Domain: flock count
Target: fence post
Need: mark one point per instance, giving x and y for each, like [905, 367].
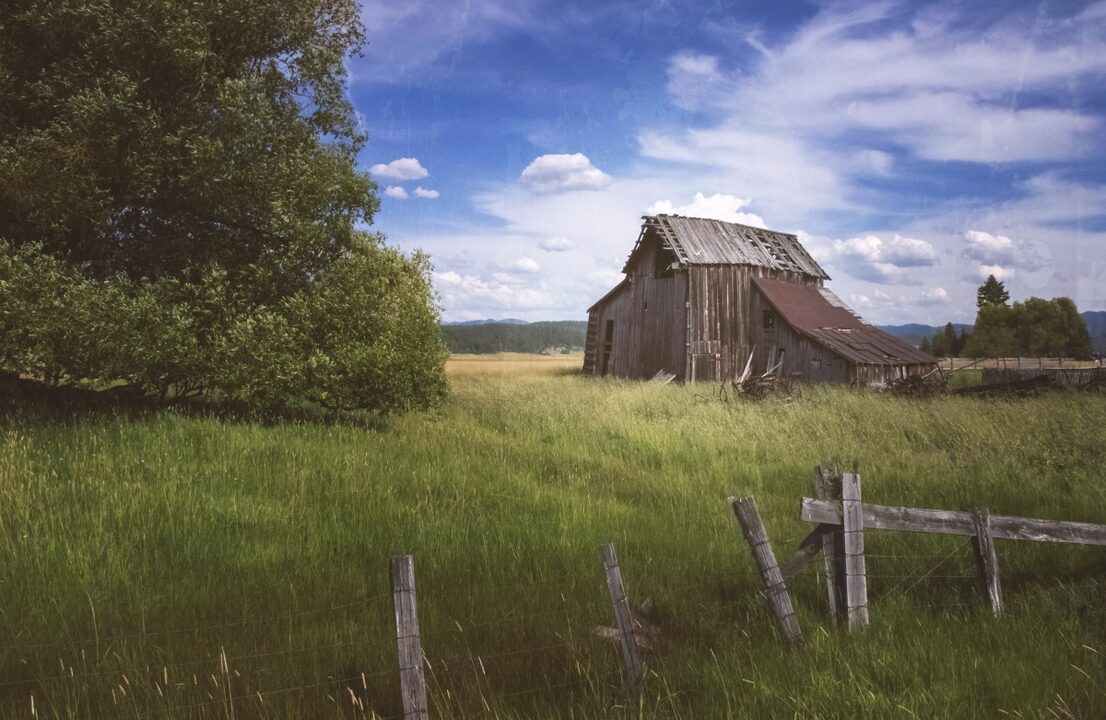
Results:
[987, 560]
[774, 586]
[827, 486]
[412, 678]
[623, 620]
[856, 580]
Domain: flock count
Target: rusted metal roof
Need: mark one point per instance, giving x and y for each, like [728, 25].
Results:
[819, 314]
[701, 241]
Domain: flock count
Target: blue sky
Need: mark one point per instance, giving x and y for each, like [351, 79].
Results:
[915, 148]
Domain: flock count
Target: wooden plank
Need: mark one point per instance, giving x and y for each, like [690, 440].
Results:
[774, 588]
[987, 560]
[810, 546]
[955, 522]
[412, 678]
[856, 575]
[827, 486]
[623, 619]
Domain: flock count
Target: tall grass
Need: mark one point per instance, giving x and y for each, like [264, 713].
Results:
[137, 553]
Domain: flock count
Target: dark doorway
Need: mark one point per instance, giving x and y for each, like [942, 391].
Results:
[608, 335]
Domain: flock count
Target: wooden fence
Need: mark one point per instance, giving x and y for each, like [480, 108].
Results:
[841, 521]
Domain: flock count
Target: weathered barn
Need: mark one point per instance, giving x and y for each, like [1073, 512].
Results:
[700, 295]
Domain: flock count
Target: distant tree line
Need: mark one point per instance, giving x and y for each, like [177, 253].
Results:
[539, 337]
[1032, 328]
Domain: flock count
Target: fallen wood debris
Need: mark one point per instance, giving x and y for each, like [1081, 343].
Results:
[763, 387]
[917, 386]
[663, 377]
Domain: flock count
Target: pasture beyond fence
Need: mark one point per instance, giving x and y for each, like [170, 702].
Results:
[841, 523]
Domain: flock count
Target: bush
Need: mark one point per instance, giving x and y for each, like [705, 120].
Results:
[362, 336]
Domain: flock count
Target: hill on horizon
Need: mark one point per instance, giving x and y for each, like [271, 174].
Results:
[481, 337]
[514, 335]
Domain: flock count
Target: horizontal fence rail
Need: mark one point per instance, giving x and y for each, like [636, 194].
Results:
[955, 522]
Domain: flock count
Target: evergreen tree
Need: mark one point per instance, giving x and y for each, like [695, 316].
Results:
[925, 347]
[991, 292]
[949, 341]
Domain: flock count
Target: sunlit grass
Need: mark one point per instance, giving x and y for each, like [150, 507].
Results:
[135, 550]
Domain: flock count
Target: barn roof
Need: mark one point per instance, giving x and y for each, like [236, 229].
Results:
[819, 314]
[701, 241]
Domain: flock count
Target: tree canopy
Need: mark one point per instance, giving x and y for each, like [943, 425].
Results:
[992, 292]
[1033, 328]
[185, 170]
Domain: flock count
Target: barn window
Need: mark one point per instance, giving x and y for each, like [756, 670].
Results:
[663, 262]
[769, 320]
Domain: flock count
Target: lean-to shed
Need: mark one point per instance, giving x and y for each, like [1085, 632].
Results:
[700, 295]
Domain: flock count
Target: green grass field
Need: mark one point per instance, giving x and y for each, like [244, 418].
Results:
[170, 566]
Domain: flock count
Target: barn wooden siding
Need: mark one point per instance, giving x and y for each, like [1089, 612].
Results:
[724, 320]
[643, 322]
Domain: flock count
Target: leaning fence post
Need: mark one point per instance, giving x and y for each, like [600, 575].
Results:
[773, 584]
[827, 486]
[856, 580]
[987, 560]
[623, 619]
[412, 679]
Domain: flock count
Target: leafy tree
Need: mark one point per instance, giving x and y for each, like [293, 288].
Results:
[1035, 328]
[181, 176]
[992, 292]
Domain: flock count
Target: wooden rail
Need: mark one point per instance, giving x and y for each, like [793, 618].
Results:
[954, 522]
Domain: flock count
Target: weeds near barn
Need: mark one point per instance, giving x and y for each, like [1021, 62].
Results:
[138, 551]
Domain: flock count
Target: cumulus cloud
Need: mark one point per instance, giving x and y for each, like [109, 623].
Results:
[1000, 255]
[717, 207]
[526, 265]
[396, 191]
[880, 260]
[549, 174]
[556, 244]
[421, 192]
[401, 169]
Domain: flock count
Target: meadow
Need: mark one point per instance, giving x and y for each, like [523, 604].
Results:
[181, 567]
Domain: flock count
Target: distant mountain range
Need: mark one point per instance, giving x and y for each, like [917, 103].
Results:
[514, 335]
[504, 321]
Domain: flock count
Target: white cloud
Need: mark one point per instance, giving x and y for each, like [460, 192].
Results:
[549, 174]
[526, 265]
[718, 207]
[401, 169]
[1001, 256]
[421, 192]
[395, 191]
[1000, 272]
[879, 260]
[935, 297]
[556, 244]
[485, 297]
